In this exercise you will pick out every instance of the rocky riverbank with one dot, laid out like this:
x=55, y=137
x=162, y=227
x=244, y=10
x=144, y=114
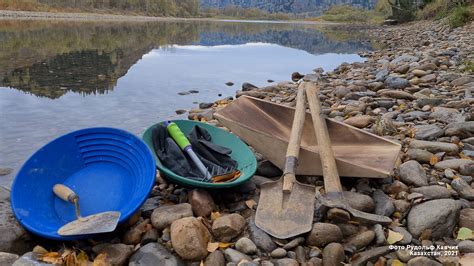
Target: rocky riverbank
x=417, y=90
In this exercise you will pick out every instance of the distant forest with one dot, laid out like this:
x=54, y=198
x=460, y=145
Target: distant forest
x=179, y=8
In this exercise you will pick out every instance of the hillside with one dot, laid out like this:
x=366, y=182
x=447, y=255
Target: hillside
x=288, y=6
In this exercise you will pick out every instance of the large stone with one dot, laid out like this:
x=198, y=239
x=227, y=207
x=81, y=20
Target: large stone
x=434, y=192
x=405, y=58
x=462, y=130
x=324, y=233
x=452, y=164
x=154, y=254
x=439, y=216
x=333, y=254
x=463, y=188
x=201, y=202
x=412, y=173
x=7, y=258
x=428, y=132
x=359, y=201
x=165, y=215
x=359, y=121
x=421, y=156
x=233, y=255
x=434, y=146
x=383, y=203
x=466, y=218
x=360, y=240
x=446, y=115
x=216, y=258
x=116, y=254
x=12, y=235
x=226, y=227
x=259, y=237
x=189, y=238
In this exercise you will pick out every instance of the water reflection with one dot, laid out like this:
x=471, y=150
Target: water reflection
x=49, y=59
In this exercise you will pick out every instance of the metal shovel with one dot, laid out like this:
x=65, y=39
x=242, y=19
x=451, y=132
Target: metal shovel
x=93, y=224
x=286, y=207
x=332, y=184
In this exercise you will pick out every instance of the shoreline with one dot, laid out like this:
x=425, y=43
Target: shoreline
x=74, y=16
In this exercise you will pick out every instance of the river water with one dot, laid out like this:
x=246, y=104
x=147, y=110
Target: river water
x=59, y=76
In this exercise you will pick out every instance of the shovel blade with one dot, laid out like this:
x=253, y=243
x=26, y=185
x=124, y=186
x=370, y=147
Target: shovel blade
x=93, y=224
x=284, y=215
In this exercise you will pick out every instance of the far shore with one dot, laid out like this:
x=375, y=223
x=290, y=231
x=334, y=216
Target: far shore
x=34, y=15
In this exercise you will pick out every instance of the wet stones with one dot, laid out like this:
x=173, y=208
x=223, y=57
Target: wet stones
x=439, y=216
x=412, y=173
x=395, y=83
x=428, y=132
x=163, y=216
x=189, y=238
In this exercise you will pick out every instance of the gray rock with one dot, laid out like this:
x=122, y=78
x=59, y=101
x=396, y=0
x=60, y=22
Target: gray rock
x=397, y=94
x=360, y=240
x=466, y=246
x=446, y=115
x=461, y=81
x=29, y=259
x=412, y=173
x=463, y=188
x=201, y=202
x=333, y=254
x=440, y=216
x=466, y=218
x=404, y=255
x=189, y=238
x=423, y=261
x=246, y=246
x=383, y=203
x=248, y=86
x=233, y=255
x=428, y=132
x=286, y=262
x=259, y=237
x=154, y=254
x=434, y=146
x=151, y=235
x=360, y=201
x=7, y=258
x=227, y=227
x=341, y=91
x=462, y=130
x=381, y=75
x=117, y=254
x=362, y=258
x=294, y=243
x=379, y=235
x=216, y=258
x=278, y=253
x=395, y=82
x=429, y=101
x=407, y=237
x=467, y=169
x=428, y=78
x=401, y=206
x=205, y=105
x=12, y=235
x=434, y=192
x=421, y=156
x=323, y=233
x=163, y=216
x=404, y=59
x=452, y=164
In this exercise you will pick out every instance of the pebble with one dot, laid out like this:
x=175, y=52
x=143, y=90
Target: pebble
x=440, y=216
x=216, y=258
x=286, y=262
x=454, y=164
x=396, y=83
x=233, y=255
x=294, y=243
x=463, y=188
x=466, y=218
x=423, y=261
x=117, y=254
x=379, y=235
x=259, y=237
x=466, y=246
x=201, y=202
x=412, y=173
x=189, y=238
x=421, y=156
x=428, y=132
x=433, y=146
x=363, y=258
x=446, y=115
x=434, y=192
x=278, y=253
x=360, y=240
x=383, y=203
x=7, y=258
x=322, y=234
x=246, y=246
x=359, y=121
x=407, y=237
x=154, y=254
x=226, y=227
x=333, y=254
x=163, y=216
x=360, y=201
x=337, y=215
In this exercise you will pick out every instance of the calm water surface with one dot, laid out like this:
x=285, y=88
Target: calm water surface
x=58, y=76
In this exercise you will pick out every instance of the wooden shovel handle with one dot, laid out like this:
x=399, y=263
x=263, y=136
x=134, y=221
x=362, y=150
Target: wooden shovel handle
x=332, y=183
x=65, y=193
x=295, y=140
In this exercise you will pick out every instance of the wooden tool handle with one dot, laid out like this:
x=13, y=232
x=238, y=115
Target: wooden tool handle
x=332, y=183
x=295, y=140
x=65, y=193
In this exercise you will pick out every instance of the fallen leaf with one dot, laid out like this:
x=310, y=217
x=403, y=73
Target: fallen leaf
x=101, y=260
x=51, y=257
x=224, y=245
x=434, y=160
x=464, y=233
x=396, y=263
x=82, y=258
x=212, y=246
x=39, y=250
x=250, y=203
x=397, y=214
x=215, y=215
x=393, y=237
